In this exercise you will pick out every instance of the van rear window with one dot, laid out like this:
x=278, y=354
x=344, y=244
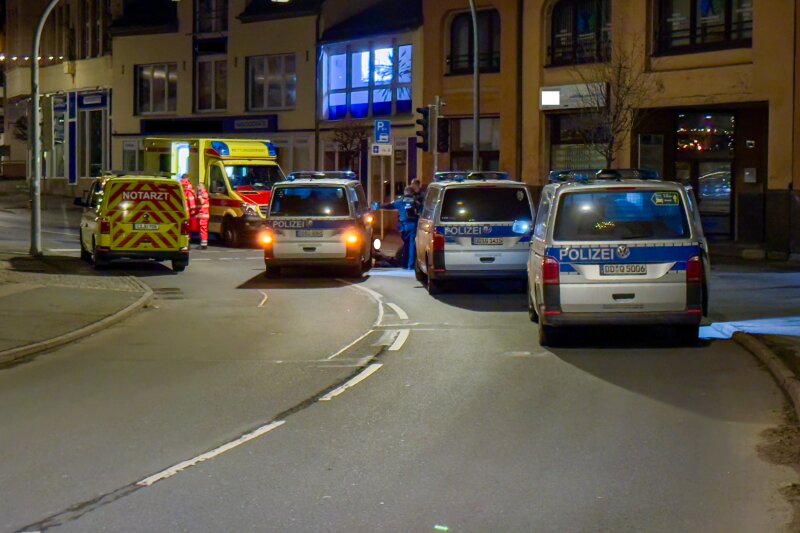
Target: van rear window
x=485, y=204
x=309, y=202
x=620, y=216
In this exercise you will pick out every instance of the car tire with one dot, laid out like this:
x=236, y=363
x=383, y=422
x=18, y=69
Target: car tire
x=532, y=314
x=355, y=271
x=98, y=261
x=688, y=335
x=419, y=274
x=231, y=235
x=86, y=256
x=179, y=265
x=548, y=335
x=366, y=265
x=272, y=272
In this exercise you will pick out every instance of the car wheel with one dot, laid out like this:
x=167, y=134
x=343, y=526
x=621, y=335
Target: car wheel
x=179, y=265
x=85, y=254
x=688, y=335
x=272, y=272
x=548, y=335
x=230, y=233
x=532, y=314
x=98, y=260
x=419, y=274
x=366, y=265
x=355, y=271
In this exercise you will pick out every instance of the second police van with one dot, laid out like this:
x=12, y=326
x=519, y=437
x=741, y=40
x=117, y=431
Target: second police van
x=617, y=247
x=318, y=219
x=473, y=225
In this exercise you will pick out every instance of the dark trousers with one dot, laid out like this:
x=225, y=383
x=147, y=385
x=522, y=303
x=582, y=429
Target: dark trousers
x=408, y=230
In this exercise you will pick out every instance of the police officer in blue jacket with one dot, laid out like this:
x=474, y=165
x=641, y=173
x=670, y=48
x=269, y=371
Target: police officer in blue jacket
x=408, y=209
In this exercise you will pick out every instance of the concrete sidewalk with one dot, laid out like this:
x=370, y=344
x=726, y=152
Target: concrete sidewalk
x=50, y=301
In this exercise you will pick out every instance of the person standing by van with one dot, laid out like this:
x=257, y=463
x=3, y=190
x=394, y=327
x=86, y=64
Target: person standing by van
x=408, y=209
x=190, y=202
x=203, y=214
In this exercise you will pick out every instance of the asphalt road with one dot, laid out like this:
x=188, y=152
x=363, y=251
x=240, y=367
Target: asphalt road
x=459, y=421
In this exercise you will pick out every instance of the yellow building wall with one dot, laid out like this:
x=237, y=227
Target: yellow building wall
x=499, y=96
x=758, y=74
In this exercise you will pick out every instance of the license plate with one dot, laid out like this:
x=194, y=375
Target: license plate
x=146, y=227
x=623, y=270
x=493, y=241
x=309, y=233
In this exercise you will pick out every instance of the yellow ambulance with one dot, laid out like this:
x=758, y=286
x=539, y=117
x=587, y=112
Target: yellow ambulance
x=134, y=217
x=238, y=175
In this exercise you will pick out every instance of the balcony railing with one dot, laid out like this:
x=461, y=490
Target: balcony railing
x=462, y=63
x=706, y=37
x=586, y=50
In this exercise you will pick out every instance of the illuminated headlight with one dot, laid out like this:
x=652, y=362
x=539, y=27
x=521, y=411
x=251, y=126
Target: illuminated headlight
x=249, y=209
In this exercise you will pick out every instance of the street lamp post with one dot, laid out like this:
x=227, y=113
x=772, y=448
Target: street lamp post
x=35, y=133
x=476, y=89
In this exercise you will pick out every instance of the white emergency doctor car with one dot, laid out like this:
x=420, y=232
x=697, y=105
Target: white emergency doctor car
x=616, y=248
x=318, y=219
x=473, y=225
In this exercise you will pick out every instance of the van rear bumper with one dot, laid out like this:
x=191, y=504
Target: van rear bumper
x=312, y=262
x=479, y=274
x=676, y=318
x=110, y=255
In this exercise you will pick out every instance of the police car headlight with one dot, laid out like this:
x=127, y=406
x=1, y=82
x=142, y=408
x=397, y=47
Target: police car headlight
x=250, y=210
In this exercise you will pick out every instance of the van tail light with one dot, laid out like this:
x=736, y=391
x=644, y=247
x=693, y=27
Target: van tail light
x=438, y=242
x=105, y=226
x=185, y=227
x=551, y=271
x=438, y=252
x=694, y=270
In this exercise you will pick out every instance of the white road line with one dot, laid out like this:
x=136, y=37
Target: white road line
x=400, y=340
x=340, y=352
x=171, y=471
x=378, y=296
x=63, y=249
x=380, y=314
x=371, y=369
x=226, y=259
x=264, y=301
x=400, y=313
x=202, y=259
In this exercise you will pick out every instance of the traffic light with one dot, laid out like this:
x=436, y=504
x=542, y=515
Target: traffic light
x=443, y=135
x=424, y=134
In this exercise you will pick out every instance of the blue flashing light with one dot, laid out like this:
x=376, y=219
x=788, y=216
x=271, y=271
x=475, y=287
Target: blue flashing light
x=221, y=148
x=273, y=150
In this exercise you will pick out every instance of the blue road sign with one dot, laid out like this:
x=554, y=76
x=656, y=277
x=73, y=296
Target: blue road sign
x=383, y=131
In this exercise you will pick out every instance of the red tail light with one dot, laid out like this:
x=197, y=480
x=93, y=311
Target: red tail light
x=185, y=227
x=438, y=242
x=694, y=270
x=551, y=271
x=105, y=226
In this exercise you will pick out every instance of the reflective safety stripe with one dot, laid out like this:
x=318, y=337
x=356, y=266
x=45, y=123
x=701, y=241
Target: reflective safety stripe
x=145, y=203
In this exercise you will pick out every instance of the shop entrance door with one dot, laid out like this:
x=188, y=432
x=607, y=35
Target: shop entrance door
x=712, y=183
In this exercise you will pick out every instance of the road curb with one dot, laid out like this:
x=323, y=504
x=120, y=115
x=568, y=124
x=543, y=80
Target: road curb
x=15, y=355
x=787, y=380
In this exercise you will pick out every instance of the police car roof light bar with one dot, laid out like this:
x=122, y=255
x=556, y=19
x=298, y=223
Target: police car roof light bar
x=461, y=176
x=320, y=174
x=585, y=175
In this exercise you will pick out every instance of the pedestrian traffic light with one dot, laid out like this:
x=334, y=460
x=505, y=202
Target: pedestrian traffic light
x=443, y=135
x=423, y=135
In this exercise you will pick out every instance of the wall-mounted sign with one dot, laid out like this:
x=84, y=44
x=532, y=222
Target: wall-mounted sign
x=750, y=175
x=382, y=149
x=576, y=96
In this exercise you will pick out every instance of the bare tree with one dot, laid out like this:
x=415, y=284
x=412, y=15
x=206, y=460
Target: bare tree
x=614, y=93
x=350, y=136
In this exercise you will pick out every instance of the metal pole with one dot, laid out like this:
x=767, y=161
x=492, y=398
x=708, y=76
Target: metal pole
x=476, y=91
x=435, y=133
x=35, y=134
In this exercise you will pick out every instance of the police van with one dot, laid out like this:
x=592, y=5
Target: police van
x=617, y=247
x=318, y=219
x=473, y=225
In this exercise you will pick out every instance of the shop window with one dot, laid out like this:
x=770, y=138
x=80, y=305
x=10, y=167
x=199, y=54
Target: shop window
x=700, y=134
x=462, y=135
x=91, y=142
x=156, y=88
x=580, y=32
x=211, y=83
x=574, y=141
x=211, y=16
x=363, y=80
x=271, y=82
x=461, y=56
x=687, y=26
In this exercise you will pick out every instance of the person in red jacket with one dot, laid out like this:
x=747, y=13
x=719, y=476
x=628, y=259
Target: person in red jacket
x=203, y=214
x=191, y=203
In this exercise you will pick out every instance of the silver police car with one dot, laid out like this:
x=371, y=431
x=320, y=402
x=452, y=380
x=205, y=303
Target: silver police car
x=617, y=247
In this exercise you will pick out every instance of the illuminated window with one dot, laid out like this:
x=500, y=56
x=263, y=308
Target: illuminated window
x=156, y=88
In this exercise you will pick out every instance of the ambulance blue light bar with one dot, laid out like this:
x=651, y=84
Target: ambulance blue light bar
x=582, y=175
x=460, y=176
x=273, y=150
x=221, y=148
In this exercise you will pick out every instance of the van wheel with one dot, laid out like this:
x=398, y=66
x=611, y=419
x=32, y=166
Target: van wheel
x=532, y=314
x=179, y=265
x=419, y=274
x=355, y=271
x=86, y=256
x=548, y=335
x=688, y=335
x=366, y=266
x=434, y=287
x=272, y=272
x=98, y=260
x=230, y=233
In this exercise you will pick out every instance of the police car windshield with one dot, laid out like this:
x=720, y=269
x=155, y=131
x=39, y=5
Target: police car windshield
x=309, y=202
x=485, y=204
x=620, y=216
x=253, y=177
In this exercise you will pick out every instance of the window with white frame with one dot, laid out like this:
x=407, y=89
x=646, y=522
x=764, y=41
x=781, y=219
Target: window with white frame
x=360, y=80
x=271, y=82
x=156, y=88
x=211, y=83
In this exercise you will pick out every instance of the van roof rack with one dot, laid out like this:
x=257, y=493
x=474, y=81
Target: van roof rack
x=465, y=175
x=321, y=175
x=572, y=175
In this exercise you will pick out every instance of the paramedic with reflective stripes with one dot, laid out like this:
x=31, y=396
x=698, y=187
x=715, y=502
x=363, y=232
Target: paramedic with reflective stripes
x=190, y=202
x=203, y=214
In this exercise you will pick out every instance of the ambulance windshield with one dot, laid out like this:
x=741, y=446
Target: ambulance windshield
x=253, y=177
x=619, y=216
x=309, y=202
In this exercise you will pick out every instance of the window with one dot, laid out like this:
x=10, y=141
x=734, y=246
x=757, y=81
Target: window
x=133, y=156
x=580, y=32
x=211, y=83
x=687, y=26
x=217, y=181
x=574, y=138
x=91, y=142
x=462, y=133
x=542, y=216
x=461, y=39
x=271, y=82
x=253, y=177
x=211, y=16
x=310, y=202
x=485, y=204
x=366, y=79
x=156, y=88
